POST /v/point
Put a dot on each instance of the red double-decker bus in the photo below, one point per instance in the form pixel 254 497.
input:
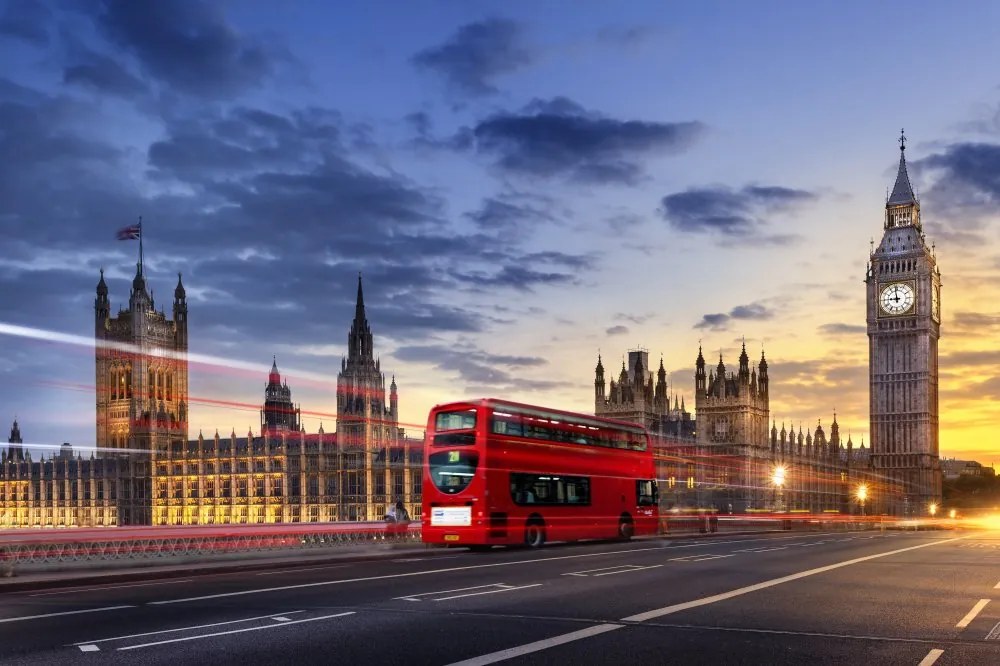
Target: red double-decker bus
pixel 499 472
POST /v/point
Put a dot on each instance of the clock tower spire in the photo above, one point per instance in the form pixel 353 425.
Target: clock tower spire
pixel 903 287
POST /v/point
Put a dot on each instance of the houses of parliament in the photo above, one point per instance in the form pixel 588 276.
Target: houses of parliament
pixel 729 456
pixel 147 472
pixel 735 459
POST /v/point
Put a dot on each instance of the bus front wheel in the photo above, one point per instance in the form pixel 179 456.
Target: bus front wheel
pixel 625 528
pixel 534 533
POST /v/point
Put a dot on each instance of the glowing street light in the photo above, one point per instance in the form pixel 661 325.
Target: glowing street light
pixel 778 476
pixel 862 494
pixel 933 509
pixel 778 479
pixel 952 514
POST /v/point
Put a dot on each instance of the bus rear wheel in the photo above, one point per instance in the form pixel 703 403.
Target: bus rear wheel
pixel 534 533
pixel 625 528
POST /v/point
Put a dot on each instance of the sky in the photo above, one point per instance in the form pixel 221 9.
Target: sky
pixel 523 185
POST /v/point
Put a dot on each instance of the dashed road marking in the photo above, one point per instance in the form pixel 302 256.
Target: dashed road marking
pixel 971 615
pixel 235 631
pixel 170 631
pixel 931 657
pixel 610 571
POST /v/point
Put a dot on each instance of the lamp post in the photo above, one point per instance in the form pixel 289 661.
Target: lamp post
pixel 862 495
pixel 778 479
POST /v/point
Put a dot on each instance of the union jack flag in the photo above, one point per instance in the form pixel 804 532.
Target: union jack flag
pixel 131 232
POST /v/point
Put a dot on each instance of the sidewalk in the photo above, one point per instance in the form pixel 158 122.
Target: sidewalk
pixel 137 571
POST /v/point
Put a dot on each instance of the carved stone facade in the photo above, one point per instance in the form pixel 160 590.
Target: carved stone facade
pixel 146 471
pixel 727 459
pixel 368 430
pixel 903 286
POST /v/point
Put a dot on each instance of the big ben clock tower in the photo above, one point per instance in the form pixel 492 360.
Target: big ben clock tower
pixel 904 325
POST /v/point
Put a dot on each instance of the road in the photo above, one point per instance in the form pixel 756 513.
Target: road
pixel 780 598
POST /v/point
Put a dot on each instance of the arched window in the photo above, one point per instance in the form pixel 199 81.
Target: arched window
pixel 170 387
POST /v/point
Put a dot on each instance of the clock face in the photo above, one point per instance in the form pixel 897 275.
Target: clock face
pixel 896 298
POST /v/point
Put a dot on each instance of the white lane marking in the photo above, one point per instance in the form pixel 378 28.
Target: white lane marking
pixel 507 588
pixel 612 573
pixel 994 633
pixel 89 648
pixel 76 612
pixel 620 568
pixel 971 615
pixel 760 549
pixel 931 657
pixel 74 590
pixel 543 644
pixel 590 571
pixel 676 608
pixel 451 569
pixel 698 558
pixel 235 631
pixel 279 618
pixel 413 597
pixel 509 653
pixel 198 626
pixel 465 568
pixel 288 571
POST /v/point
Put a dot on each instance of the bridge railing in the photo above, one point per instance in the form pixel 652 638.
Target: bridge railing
pixel 40 550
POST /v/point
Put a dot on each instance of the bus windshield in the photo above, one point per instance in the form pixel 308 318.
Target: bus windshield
pixel 452 471
pixel 458 420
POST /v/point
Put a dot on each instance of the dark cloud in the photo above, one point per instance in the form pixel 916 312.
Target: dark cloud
pixel 559 138
pixel 720 321
pixel 420 122
pixel 966 189
pixel 754 311
pixel 617 330
pixel 105 75
pixel 521 278
pixel 504 214
pixel 476 54
pixel 733 213
pixel 188 45
pixel 714 322
pixel 483 371
pixel 28 20
pixel 842 329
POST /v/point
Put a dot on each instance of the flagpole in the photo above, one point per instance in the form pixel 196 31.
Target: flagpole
pixel 140 245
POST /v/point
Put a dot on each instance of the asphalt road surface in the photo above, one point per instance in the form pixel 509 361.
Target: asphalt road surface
pixel 784 598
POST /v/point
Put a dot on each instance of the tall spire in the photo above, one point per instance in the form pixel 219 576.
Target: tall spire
pixel 902 191
pixel 359 309
pixel 359 341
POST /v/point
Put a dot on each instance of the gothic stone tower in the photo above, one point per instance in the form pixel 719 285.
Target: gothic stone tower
pixel 733 413
pixel 367 430
pixel 142 370
pixel 279 414
pixel 14 452
pixel 141 387
pixel 904 325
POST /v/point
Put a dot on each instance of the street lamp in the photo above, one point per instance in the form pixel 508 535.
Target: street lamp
pixel 862 496
pixel 778 479
pixel 933 509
